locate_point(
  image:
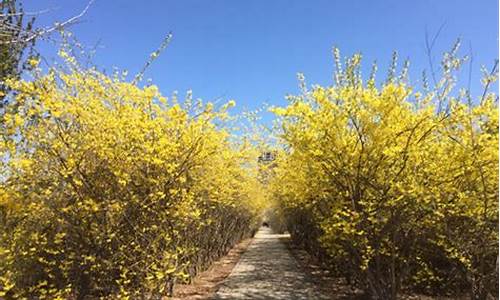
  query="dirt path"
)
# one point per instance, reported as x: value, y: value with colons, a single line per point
x: 268, y: 271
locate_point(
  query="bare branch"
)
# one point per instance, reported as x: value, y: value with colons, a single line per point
x: 488, y: 82
x: 29, y: 36
x: 37, y: 13
x: 152, y: 57
x: 429, y: 46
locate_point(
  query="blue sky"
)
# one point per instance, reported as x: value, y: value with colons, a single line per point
x: 250, y: 51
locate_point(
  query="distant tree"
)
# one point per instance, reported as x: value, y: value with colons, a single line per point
x: 18, y: 37
x: 16, y: 49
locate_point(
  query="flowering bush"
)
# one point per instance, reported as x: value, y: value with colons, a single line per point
x: 398, y: 187
x: 112, y: 190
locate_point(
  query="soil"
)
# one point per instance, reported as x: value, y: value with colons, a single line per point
x: 205, y: 284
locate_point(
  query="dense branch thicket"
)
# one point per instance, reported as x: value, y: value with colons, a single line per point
x: 397, y: 188
x: 111, y: 190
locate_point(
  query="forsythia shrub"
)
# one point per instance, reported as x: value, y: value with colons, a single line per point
x: 111, y: 190
x: 398, y: 187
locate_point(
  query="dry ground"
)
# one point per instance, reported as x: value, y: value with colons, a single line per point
x: 208, y: 282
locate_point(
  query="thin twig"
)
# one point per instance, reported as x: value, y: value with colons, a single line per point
x: 30, y: 36
x: 152, y: 57
x: 471, y: 57
x: 429, y: 50
x: 487, y: 86
x: 25, y: 13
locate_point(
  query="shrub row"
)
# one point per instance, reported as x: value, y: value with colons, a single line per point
x: 396, y: 188
x: 111, y: 190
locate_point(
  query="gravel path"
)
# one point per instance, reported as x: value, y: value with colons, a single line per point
x: 267, y: 271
